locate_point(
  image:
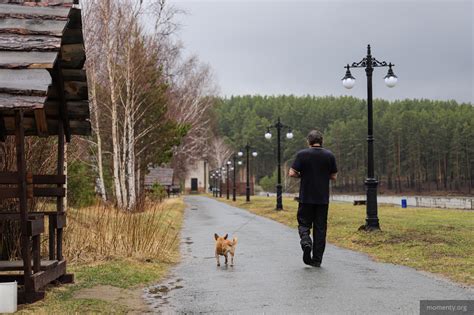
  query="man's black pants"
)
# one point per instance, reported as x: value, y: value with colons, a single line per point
x: 315, y: 217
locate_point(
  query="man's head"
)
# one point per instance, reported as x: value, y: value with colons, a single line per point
x: 315, y: 137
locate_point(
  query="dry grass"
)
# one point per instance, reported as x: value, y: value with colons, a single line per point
x: 102, y: 233
x: 108, y: 247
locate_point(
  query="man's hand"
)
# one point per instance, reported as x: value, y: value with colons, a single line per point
x: 293, y: 173
x: 333, y: 176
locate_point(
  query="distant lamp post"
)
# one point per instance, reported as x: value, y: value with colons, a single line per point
x: 369, y: 63
x: 220, y: 176
x: 289, y: 135
x: 234, y: 188
x: 215, y: 174
x: 213, y: 179
x: 219, y: 185
x: 227, y: 166
x: 247, y: 167
x: 211, y: 182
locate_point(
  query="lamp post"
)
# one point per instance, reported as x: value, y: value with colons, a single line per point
x: 247, y: 166
x: 289, y: 135
x: 212, y: 181
x: 215, y: 177
x: 234, y: 169
x: 217, y: 183
x: 369, y: 63
x: 227, y: 179
x: 214, y: 186
x: 221, y: 173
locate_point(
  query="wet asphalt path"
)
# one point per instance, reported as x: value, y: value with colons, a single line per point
x: 270, y: 277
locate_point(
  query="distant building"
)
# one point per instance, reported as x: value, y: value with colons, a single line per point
x: 159, y: 175
x: 197, y: 178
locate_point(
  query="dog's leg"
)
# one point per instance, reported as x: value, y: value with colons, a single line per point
x: 217, y: 258
x: 225, y: 258
x: 231, y: 259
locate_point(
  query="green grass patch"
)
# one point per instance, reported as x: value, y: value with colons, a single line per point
x: 123, y: 274
x: 435, y: 240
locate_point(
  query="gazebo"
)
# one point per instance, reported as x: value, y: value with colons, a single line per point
x: 43, y: 93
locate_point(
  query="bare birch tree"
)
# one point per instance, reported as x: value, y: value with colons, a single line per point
x: 220, y: 151
x: 144, y: 97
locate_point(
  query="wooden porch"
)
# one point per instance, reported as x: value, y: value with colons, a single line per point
x: 43, y: 92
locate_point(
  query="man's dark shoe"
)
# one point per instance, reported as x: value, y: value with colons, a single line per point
x: 307, y: 255
x: 315, y: 263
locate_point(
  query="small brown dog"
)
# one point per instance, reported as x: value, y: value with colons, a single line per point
x: 225, y: 247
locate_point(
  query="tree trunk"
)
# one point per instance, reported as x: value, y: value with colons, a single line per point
x: 114, y: 113
x: 96, y: 127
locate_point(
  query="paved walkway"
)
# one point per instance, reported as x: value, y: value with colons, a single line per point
x: 269, y: 275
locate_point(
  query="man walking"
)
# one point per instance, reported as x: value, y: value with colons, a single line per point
x: 315, y: 166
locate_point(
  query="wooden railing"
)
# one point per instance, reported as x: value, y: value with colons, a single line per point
x: 37, y: 186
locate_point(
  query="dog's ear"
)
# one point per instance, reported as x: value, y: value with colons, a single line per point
x: 216, y: 236
x: 225, y: 236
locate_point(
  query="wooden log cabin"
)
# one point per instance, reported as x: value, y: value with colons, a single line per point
x: 43, y: 93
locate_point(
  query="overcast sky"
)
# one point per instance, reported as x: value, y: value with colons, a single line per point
x: 300, y: 47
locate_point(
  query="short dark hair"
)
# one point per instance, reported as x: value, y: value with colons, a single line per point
x: 315, y: 137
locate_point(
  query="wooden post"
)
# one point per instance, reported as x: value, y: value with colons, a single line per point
x: 36, y: 254
x: 22, y: 187
x: 60, y: 200
x: 3, y: 131
x: 52, y: 238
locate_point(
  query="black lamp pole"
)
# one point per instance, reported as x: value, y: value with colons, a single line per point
x: 227, y: 180
x: 247, y: 168
x: 211, y: 184
x: 247, y: 186
x: 214, y: 183
x: 233, y: 186
x: 220, y: 183
x: 215, y: 187
x: 279, y: 205
x: 279, y: 126
x: 369, y: 63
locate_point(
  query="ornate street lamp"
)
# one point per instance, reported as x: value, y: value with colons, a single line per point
x: 369, y: 63
x: 289, y: 135
x: 247, y: 183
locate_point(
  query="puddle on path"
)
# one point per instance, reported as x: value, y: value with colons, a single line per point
x: 157, y: 295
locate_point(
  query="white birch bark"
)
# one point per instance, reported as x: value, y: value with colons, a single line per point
x: 97, y: 132
x: 113, y: 100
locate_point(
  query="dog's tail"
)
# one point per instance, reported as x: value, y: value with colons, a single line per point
x: 234, y: 241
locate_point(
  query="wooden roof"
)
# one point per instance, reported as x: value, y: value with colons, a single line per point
x: 160, y: 175
x: 41, y: 67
